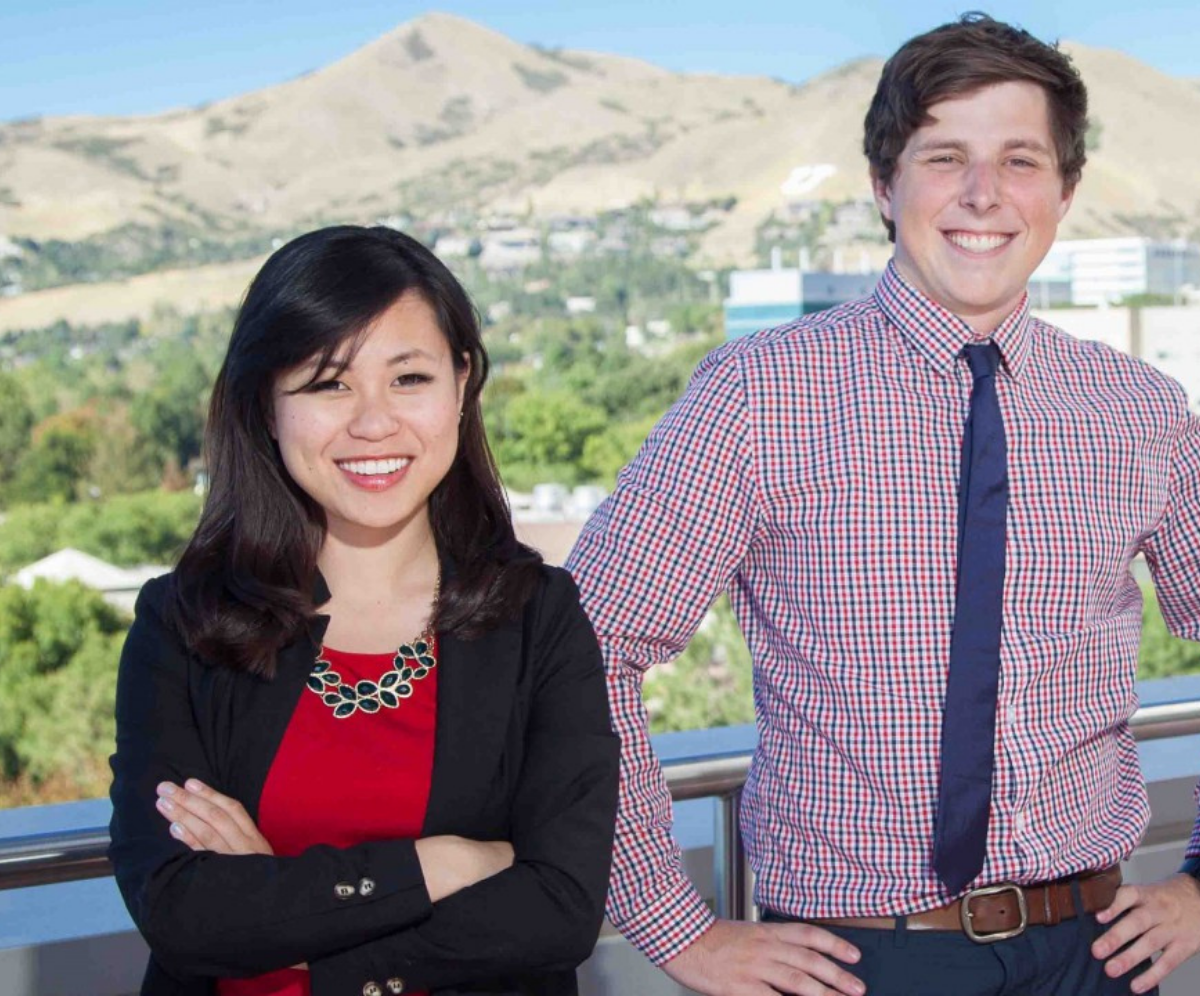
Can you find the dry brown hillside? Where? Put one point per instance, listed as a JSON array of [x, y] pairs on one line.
[[442, 114]]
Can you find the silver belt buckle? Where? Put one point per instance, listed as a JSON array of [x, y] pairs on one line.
[[965, 914]]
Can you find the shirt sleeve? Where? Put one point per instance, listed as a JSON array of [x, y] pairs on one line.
[[1173, 551], [649, 564]]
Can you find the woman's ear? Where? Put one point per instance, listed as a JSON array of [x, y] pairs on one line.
[[463, 374]]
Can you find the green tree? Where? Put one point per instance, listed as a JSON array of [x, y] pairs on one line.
[[147, 528], [547, 431], [29, 533], [1162, 654], [55, 466], [59, 647], [16, 425], [171, 412], [709, 684], [123, 461], [605, 453]]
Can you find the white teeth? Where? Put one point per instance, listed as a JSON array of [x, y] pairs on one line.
[[371, 468], [978, 243]]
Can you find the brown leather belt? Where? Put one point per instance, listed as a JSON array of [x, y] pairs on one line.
[[996, 912]]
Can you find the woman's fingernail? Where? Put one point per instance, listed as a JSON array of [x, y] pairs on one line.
[[166, 788], [193, 786], [177, 830], [166, 805]]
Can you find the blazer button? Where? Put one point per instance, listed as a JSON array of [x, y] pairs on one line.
[[395, 986], [372, 989], [344, 890], [366, 886]]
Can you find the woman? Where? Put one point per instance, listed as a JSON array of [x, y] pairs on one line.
[[362, 737]]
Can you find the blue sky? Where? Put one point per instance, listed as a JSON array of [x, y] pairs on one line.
[[143, 56]]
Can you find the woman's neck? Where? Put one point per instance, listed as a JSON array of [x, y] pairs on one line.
[[383, 595], [396, 569]]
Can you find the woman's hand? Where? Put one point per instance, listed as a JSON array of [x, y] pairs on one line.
[[451, 863], [206, 820]]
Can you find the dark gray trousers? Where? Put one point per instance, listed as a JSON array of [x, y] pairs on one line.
[[1043, 961]]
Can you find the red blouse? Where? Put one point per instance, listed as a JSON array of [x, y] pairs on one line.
[[342, 781]]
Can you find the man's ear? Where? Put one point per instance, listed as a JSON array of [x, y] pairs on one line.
[[883, 196], [1068, 195]]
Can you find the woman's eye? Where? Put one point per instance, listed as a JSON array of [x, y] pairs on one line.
[[325, 385], [413, 379]]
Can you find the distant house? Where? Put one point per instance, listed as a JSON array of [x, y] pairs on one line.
[[118, 585], [511, 250]]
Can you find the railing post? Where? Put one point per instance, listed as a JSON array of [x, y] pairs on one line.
[[732, 886]]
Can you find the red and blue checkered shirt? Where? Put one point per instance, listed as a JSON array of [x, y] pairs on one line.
[[811, 471]]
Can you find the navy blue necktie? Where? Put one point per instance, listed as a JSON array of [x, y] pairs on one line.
[[969, 717]]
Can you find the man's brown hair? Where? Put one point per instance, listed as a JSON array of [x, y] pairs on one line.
[[958, 59]]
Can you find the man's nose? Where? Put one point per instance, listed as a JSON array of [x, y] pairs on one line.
[[981, 187]]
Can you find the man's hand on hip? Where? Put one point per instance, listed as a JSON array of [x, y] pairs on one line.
[[1160, 919], [765, 959]]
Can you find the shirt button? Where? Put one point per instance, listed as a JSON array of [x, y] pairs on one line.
[[1020, 821], [1010, 716], [395, 985], [366, 886], [372, 989], [343, 890]]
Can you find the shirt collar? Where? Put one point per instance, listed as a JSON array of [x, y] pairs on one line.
[[938, 335]]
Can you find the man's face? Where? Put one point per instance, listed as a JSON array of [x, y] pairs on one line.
[[976, 199]]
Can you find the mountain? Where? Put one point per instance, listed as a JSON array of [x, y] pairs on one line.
[[442, 117]]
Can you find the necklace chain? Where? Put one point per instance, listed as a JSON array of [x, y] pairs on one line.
[[413, 660]]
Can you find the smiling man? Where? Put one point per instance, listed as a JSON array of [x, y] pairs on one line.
[[925, 507]]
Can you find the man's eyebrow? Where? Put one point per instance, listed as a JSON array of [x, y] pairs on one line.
[[930, 144], [957, 145], [1033, 144]]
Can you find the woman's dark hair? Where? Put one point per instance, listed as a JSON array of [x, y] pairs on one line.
[[244, 586], [958, 59]]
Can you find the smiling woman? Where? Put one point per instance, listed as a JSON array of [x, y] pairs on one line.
[[362, 736]]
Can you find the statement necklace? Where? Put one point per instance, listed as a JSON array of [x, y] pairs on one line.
[[412, 662]]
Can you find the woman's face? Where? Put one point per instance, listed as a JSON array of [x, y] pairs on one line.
[[370, 444]]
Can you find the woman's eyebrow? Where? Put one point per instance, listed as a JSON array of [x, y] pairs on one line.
[[411, 354]]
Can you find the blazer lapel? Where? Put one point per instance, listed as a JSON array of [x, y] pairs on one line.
[[476, 684], [266, 708]]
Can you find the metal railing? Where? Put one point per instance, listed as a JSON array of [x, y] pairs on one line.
[[73, 855]]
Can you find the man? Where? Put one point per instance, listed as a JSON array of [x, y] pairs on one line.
[[925, 506]]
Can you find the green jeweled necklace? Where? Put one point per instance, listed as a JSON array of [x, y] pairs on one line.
[[412, 662]]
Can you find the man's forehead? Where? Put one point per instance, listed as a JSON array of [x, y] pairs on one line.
[[1013, 113]]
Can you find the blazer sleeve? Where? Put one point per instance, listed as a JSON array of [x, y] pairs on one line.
[[220, 915], [544, 913]]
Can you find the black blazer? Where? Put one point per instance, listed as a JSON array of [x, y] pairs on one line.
[[523, 751]]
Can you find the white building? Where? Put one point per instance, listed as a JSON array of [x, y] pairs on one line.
[[1106, 271], [511, 250], [118, 585], [761, 299]]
